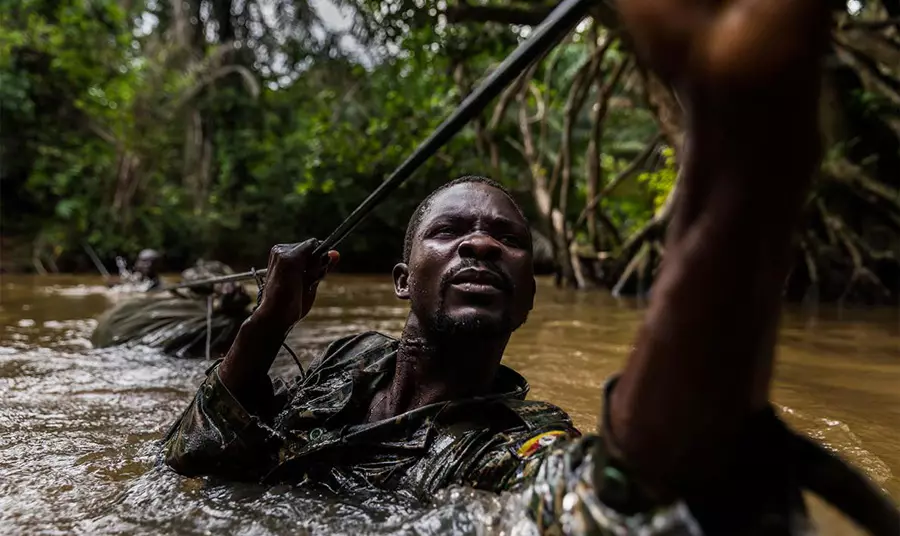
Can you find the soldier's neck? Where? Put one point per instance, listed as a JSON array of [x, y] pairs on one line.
[[434, 369]]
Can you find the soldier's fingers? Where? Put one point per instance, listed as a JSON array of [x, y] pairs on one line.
[[278, 256], [302, 250], [275, 252], [327, 262]]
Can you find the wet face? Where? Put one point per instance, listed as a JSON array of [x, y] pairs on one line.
[[470, 266], [147, 263]]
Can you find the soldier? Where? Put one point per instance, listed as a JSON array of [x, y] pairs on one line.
[[145, 275], [195, 323], [689, 443]]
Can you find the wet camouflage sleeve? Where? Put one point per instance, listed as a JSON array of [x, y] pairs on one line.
[[217, 436], [510, 460], [562, 497]]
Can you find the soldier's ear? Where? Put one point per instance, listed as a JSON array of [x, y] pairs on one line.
[[401, 281]]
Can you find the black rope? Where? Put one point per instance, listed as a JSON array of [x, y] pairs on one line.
[[260, 286], [209, 308], [296, 360]]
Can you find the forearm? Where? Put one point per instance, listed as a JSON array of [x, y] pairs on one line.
[[288, 296], [247, 363], [703, 359]]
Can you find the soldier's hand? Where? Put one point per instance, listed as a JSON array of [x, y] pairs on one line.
[[292, 278], [723, 45]]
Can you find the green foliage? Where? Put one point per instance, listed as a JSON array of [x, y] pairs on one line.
[[660, 182], [128, 140], [55, 93]]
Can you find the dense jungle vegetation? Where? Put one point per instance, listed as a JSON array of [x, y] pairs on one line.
[[215, 128]]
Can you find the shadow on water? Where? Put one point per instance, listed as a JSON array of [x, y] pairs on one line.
[[79, 427]]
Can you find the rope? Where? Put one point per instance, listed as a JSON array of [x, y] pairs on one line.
[[557, 24], [209, 304], [260, 285], [296, 360]]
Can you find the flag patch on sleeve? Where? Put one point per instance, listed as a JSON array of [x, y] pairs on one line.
[[539, 442]]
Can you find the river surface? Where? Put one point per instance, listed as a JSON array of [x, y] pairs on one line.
[[78, 427]]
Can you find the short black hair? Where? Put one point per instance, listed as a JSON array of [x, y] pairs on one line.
[[416, 218]]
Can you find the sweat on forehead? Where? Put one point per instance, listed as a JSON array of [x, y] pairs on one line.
[[423, 207]]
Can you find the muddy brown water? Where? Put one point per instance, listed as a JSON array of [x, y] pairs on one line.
[[78, 427]]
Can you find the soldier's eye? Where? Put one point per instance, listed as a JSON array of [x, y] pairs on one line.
[[444, 231], [511, 240]]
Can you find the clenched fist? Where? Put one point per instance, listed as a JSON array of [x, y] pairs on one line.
[[727, 44], [292, 278]]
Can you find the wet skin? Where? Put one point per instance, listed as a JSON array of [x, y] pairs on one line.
[[470, 269]]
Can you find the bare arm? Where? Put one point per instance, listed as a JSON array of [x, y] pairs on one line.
[[747, 71], [293, 277]]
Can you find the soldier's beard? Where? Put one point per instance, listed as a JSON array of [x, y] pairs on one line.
[[442, 325]]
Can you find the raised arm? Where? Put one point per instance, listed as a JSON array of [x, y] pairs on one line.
[[223, 431], [747, 72], [293, 277]]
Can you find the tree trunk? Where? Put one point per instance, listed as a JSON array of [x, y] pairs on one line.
[[551, 219]]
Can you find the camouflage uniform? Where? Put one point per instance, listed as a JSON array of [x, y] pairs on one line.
[[178, 324], [311, 430], [314, 431]]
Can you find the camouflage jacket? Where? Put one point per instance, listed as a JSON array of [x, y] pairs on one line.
[[312, 430]]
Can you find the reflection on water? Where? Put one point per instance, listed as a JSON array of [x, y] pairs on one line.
[[78, 426]]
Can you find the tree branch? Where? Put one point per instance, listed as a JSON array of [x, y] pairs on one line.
[[594, 171], [610, 227], [620, 178], [848, 173], [872, 77], [506, 98], [578, 93], [101, 132], [870, 24], [548, 74]]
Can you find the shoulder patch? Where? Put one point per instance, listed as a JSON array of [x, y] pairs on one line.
[[539, 442]]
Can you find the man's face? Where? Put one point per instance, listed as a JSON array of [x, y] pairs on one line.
[[470, 266], [146, 264]]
